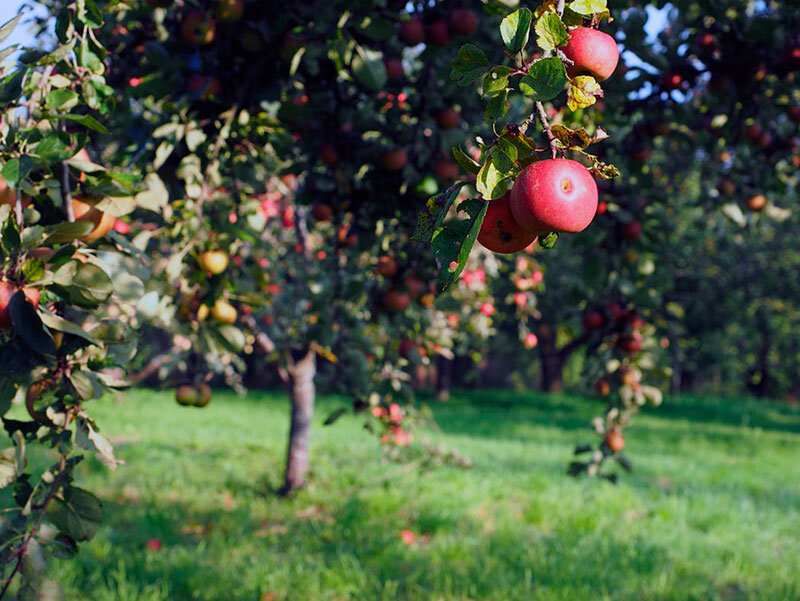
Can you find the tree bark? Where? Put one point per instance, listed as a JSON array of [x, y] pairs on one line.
[[444, 378], [552, 360], [302, 369]]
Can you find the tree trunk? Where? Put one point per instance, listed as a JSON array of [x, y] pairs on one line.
[[444, 378], [552, 360], [301, 369]]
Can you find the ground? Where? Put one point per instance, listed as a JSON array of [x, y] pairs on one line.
[[712, 511]]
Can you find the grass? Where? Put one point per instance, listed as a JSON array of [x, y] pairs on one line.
[[712, 511]]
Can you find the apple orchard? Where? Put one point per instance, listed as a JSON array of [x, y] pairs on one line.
[[201, 194]]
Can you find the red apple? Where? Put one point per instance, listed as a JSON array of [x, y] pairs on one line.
[[387, 267], [207, 86], [397, 301], [602, 387], [593, 53], [671, 81], [757, 202], [630, 344], [554, 195], [395, 159], [463, 21], [7, 290], [322, 212], [500, 232], [412, 32], [726, 186], [754, 132], [614, 440], [446, 170], [448, 118], [439, 33], [631, 230], [394, 68], [198, 28], [593, 320], [328, 154], [415, 286]]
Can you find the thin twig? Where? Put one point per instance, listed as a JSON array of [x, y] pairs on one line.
[[542, 116], [66, 192]]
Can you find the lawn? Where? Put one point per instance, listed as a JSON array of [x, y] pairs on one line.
[[712, 511]]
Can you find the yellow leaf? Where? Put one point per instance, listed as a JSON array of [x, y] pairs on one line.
[[583, 92]]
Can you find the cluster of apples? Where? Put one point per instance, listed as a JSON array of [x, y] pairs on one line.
[[84, 209], [625, 325], [215, 262], [193, 396], [405, 287], [553, 195], [391, 419]]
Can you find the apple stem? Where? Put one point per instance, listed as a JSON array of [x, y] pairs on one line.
[[540, 113]]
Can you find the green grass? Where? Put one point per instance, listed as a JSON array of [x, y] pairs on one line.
[[712, 511]]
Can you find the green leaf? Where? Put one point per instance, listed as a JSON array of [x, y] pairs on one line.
[[8, 27], [369, 70], [54, 147], [335, 415], [57, 55], [435, 211], [545, 80], [78, 515], [28, 325], [85, 284], [11, 86], [550, 32], [452, 243], [67, 232], [83, 385], [86, 120], [61, 99], [10, 239], [491, 182], [15, 170], [496, 107], [588, 8], [466, 162], [470, 64], [54, 322], [496, 80], [515, 29]]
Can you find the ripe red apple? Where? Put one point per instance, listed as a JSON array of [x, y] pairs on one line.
[[407, 346], [593, 320], [448, 118], [602, 387], [754, 132], [198, 28], [446, 170], [394, 68], [593, 53], [397, 301], [103, 222], [322, 212], [757, 202], [7, 290], [328, 154], [439, 33], [415, 286], [230, 10], [602, 207], [614, 440], [630, 344], [500, 232], [631, 231], [412, 32], [726, 186], [530, 341], [395, 159], [793, 56], [554, 195], [387, 267], [463, 21]]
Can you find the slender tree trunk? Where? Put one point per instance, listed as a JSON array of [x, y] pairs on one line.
[[444, 378], [552, 360], [302, 369]]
